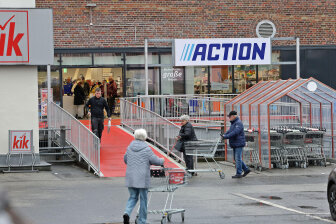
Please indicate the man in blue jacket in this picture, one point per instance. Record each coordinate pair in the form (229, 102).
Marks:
(237, 142)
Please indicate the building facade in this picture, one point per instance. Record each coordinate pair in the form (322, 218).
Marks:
(99, 39)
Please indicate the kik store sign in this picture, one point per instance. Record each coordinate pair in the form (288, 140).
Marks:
(26, 36)
(21, 141)
(225, 51)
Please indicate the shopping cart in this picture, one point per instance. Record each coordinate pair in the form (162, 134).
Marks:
(206, 150)
(277, 157)
(293, 148)
(251, 152)
(166, 180)
(314, 147)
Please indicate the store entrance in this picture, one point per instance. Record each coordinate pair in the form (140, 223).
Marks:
(94, 77)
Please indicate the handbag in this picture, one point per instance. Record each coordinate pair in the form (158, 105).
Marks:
(179, 146)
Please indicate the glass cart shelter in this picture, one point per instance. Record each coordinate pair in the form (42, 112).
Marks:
(285, 104)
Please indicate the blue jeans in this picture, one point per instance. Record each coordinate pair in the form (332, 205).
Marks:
(133, 199)
(240, 165)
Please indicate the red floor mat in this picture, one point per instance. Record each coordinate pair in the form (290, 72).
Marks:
(113, 148)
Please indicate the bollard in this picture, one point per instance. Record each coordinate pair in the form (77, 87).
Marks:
(62, 136)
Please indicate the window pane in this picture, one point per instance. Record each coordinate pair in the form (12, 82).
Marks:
(108, 59)
(136, 85)
(55, 83)
(220, 79)
(196, 80)
(166, 59)
(172, 80)
(56, 59)
(270, 72)
(245, 77)
(139, 58)
(76, 59)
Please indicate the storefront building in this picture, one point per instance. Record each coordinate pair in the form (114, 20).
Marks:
(100, 39)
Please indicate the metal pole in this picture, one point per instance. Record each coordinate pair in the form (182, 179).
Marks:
(297, 58)
(146, 66)
(48, 106)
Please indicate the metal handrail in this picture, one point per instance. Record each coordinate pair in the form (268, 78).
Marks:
(84, 142)
(159, 129)
(173, 106)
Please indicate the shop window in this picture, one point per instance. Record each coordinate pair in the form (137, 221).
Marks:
(76, 59)
(56, 59)
(245, 77)
(135, 81)
(270, 72)
(172, 80)
(108, 59)
(220, 79)
(139, 58)
(55, 83)
(166, 59)
(197, 80)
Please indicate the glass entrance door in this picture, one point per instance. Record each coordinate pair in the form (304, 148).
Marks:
(93, 77)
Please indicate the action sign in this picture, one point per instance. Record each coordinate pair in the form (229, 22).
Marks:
(26, 36)
(225, 51)
(20, 141)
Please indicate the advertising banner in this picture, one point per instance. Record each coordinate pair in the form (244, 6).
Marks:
(224, 51)
(44, 101)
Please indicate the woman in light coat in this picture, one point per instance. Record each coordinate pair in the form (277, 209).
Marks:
(138, 158)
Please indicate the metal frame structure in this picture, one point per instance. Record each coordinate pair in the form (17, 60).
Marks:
(271, 104)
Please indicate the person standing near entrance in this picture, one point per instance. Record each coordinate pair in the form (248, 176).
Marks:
(79, 100)
(96, 106)
(112, 92)
(237, 142)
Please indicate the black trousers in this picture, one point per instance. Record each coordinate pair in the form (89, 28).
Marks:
(189, 160)
(111, 103)
(97, 125)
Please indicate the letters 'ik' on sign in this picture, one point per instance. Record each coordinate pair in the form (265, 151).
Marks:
(20, 141)
(14, 36)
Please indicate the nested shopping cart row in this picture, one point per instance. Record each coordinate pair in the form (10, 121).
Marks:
(289, 146)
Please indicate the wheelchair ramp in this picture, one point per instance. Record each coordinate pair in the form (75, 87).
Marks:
(113, 147)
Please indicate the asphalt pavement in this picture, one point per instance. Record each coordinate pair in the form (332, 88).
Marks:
(69, 194)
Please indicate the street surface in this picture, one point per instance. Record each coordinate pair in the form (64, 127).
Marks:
(69, 194)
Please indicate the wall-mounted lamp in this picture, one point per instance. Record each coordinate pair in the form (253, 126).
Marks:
(91, 6)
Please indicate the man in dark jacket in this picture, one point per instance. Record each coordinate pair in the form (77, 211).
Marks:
(96, 111)
(187, 133)
(79, 100)
(237, 142)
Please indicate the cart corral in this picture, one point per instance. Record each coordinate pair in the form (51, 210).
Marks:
(292, 120)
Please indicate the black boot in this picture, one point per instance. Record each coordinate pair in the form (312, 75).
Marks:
(126, 219)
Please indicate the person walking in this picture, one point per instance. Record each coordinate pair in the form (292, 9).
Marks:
(187, 133)
(138, 159)
(95, 107)
(112, 92)
(237, 142)
(79, 98)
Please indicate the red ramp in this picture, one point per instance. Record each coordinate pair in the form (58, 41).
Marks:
(113, 148)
